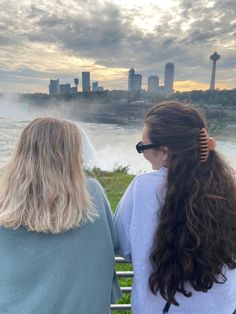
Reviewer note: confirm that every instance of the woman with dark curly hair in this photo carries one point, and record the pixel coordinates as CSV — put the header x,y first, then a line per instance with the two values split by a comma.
x,y
178,224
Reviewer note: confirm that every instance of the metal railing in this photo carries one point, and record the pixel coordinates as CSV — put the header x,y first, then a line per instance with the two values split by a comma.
x,y
125,274
122,274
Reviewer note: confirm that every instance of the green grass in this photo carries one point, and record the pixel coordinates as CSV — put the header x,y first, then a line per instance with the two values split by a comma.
x,y
115,184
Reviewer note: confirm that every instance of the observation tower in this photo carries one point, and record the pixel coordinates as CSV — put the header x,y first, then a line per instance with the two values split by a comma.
x,y
214,57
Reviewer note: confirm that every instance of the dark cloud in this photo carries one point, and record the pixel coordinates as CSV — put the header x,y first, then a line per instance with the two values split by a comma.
x,y
97,34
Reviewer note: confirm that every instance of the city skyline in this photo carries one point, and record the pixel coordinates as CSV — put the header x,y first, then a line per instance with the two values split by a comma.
x,y
47,40
134,81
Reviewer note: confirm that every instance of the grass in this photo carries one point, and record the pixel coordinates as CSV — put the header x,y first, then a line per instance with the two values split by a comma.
x,y
115,184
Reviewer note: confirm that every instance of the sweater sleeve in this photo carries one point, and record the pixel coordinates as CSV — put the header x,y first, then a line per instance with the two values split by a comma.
x,y
101,195
115,291
122,219
142,200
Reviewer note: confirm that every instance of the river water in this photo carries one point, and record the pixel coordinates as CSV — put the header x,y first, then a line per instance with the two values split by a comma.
x,y
107,146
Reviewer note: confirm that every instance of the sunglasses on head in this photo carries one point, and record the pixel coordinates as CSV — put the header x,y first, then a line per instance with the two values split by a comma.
x,y
140,147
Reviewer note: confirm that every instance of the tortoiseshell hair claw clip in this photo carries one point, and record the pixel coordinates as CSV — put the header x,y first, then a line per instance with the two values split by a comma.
x,y
206,144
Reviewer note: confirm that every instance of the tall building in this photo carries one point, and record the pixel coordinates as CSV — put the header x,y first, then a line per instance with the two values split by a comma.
x,y
169,78
134,81
153,84
137,82
131,79
96,88
54,88
214,57
65,89
86,82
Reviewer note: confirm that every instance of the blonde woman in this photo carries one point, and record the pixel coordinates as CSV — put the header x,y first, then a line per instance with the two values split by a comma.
x,y
56,232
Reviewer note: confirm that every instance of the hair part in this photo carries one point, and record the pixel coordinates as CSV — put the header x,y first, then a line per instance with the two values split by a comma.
x,y
195,238
44,187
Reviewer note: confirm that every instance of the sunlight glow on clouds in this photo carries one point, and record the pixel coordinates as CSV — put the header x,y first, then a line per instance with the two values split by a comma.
x,y
145,17
131,4
190,85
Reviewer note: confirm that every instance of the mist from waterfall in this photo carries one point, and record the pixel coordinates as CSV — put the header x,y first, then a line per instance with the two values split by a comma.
x,y
105,146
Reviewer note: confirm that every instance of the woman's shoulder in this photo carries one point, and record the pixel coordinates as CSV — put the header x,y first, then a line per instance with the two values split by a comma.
x,y
147,185
97,192
94,185
150,178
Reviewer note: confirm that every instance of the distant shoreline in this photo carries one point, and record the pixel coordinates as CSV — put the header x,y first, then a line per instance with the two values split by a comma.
x,y
128,109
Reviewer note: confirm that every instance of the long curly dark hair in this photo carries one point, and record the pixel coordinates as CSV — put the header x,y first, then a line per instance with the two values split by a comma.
x,y
196,234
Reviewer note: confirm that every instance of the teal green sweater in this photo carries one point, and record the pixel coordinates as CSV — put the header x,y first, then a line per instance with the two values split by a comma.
x,y
69,273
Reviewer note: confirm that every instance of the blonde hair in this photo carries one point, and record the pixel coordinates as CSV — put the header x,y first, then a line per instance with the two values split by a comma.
x,y
44,188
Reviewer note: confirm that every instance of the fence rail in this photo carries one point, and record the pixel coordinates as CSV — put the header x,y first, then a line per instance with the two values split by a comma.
x,y
123,274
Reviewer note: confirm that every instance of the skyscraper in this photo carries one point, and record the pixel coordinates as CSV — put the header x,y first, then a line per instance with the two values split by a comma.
x,y
54,88
137,82
86,82
65,89
169,78
134,81
96,88
131,79
153,84
214,57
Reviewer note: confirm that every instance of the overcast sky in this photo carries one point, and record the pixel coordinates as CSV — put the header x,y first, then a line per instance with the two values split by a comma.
x,y
47,39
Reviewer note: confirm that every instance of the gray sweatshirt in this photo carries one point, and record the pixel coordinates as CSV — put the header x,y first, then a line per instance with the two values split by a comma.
x,y
136,220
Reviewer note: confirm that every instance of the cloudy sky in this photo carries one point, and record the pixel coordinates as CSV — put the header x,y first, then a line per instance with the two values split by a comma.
x,y
47,39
